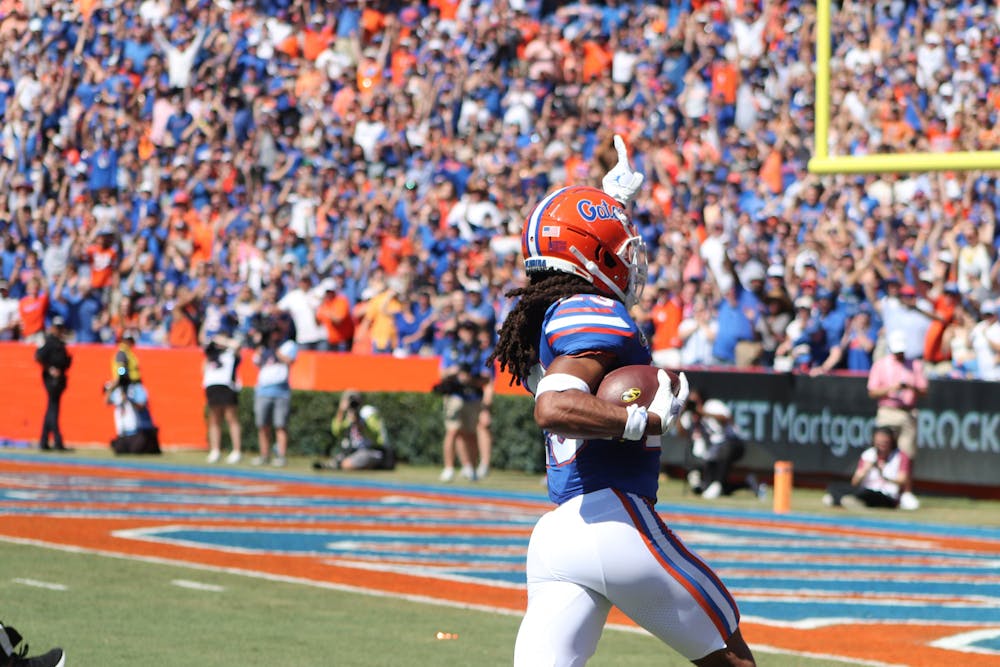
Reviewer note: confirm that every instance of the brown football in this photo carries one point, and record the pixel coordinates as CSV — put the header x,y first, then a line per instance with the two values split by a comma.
x,y
632,385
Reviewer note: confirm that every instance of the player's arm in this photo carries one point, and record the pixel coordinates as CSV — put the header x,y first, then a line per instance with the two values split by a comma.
x,y
574,412
565,403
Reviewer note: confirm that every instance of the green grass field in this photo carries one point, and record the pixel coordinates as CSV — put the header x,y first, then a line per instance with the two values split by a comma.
x,y
118,612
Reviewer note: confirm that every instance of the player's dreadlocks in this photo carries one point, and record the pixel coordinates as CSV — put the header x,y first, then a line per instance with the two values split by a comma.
x,y
517,348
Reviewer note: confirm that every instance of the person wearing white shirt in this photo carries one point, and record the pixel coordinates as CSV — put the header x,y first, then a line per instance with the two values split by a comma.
x,y
985,337
180,62
273,395
301,303
881,478
698,334
222,359
9,314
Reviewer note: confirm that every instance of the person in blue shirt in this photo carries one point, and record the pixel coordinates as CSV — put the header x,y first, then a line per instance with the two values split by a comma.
x,y
463,377
6,87
179,120
855,349
413,322
103,166
832,319
734,326
138,47
570,328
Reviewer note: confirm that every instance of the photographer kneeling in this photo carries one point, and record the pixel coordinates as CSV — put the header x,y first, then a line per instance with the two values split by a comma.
x,y
133,421
716,445
359,432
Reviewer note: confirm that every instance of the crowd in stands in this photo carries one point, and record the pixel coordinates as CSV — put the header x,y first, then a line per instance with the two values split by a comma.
x,y
178,167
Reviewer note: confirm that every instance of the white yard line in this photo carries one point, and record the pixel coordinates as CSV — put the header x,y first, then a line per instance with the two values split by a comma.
x,y
197,585
41,584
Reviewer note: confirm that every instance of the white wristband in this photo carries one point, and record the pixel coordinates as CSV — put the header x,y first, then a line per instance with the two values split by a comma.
x,y
560,382
635,426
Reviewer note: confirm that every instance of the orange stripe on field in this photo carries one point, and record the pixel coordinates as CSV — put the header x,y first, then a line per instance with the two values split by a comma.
x,y
97,534
896,643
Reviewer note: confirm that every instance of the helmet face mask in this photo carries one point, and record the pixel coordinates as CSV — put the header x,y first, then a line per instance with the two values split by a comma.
x,y
583,231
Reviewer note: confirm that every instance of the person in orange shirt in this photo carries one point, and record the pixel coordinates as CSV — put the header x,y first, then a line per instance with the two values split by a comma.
x,y
378,318
185,320
32,308
596,60
945,305
369,71
309,85
126,317
667,314
402,62
187,226
447,9
725,79
103,258
393,248
334,313
316,37
896,132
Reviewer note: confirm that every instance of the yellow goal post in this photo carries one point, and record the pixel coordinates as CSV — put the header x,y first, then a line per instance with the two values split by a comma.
x,y
824,163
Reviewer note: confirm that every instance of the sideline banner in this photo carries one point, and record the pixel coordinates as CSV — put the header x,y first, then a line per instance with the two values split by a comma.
x,y
822,424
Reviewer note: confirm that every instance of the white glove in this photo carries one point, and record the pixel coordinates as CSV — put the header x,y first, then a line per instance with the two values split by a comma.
x,y
667,404
621,182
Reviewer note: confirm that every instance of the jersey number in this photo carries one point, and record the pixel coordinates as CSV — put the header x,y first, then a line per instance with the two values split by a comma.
x,y
562,450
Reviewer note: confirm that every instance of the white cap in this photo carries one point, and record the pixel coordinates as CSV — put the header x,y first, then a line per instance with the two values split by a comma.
x,y
776,271
946,257
932,38
896,341
804,302
716,408
752,270
946,89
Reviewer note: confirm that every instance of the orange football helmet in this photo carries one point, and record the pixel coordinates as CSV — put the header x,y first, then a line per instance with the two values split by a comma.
x,y
583,231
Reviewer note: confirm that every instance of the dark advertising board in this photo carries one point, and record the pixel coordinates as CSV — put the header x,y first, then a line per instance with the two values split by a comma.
x,y
822,424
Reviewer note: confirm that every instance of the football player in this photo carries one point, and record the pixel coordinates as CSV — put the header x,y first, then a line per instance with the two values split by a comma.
x,y
603,544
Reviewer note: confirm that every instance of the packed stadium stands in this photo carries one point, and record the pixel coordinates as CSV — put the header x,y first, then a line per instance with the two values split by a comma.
x,y
166,164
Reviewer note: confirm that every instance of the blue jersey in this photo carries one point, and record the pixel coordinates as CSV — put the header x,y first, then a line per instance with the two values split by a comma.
x,y
587,323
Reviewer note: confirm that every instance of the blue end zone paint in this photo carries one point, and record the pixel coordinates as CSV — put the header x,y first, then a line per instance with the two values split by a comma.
x,y
791,569
988,644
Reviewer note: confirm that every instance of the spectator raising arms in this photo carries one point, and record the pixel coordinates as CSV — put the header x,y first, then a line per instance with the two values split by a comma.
x,y
167,156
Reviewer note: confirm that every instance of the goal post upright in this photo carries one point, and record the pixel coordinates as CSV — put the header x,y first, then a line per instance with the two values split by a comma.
x,y
823,163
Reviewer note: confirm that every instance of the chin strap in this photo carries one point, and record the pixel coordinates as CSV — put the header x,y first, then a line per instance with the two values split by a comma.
x,y
596,271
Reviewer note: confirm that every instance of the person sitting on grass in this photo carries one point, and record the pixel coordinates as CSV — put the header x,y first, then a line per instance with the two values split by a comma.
x,y
881,477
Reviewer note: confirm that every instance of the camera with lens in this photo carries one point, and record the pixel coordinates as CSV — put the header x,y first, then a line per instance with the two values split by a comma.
x,y
213,351
263,326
